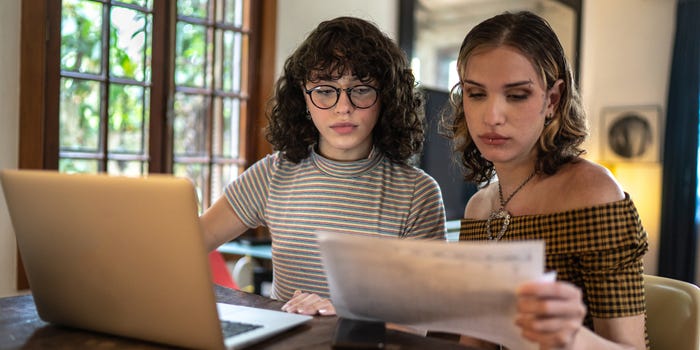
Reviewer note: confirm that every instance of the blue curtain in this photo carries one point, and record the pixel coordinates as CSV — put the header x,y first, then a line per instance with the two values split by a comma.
x,y
678,238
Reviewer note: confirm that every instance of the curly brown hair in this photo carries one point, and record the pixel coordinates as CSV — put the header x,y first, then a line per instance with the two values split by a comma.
x,y
337,46
560,141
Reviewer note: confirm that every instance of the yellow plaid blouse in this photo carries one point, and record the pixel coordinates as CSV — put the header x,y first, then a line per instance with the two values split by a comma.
x,y
599,249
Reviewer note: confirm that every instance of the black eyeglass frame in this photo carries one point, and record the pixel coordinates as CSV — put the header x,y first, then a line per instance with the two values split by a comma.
x,y
347,91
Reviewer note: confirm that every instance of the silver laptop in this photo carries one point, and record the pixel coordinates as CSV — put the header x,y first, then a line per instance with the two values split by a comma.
x,y
125,256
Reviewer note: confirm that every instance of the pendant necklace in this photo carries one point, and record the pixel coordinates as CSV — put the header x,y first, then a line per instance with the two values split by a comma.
x,y
502,213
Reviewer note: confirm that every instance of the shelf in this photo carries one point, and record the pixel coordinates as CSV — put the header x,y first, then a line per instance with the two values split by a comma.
x,y
263,251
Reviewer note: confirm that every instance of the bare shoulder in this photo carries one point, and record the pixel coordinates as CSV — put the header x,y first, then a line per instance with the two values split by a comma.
x,y
589,184
479,205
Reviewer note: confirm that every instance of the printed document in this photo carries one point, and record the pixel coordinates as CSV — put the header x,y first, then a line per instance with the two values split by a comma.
x,y
463,287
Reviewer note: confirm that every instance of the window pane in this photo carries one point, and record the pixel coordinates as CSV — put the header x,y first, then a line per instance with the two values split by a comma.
x,y
193,8
232,120
190,55
130,53
230,12
221,176
197,173
81,36
189,125
237,55
79,115
235,12
226,126
127,167
128,121
67,165
231,61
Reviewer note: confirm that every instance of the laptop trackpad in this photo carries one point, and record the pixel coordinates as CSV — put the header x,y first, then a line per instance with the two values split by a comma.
x,y
269,322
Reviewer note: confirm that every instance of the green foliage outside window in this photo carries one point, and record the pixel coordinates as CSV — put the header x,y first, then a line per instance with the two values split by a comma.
x,y
106,57
83,66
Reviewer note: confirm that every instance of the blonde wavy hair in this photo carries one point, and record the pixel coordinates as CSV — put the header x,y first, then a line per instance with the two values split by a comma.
x,y
560,141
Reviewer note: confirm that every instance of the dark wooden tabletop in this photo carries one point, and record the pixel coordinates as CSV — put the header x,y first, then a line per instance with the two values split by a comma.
x,y
21,328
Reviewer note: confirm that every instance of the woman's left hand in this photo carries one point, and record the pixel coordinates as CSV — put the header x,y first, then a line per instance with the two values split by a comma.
x,y
309,304
550,313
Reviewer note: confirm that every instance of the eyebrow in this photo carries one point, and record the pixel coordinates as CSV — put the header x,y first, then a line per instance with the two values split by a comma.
x,y
509,85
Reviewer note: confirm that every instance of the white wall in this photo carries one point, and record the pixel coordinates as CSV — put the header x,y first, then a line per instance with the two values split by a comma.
x,y
9,133
626,57
295,19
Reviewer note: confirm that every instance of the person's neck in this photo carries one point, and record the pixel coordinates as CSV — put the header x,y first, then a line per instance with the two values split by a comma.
x,y
511,176
345,156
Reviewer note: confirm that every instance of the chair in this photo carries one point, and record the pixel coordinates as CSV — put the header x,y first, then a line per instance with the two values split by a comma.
x,y
220,273
673,313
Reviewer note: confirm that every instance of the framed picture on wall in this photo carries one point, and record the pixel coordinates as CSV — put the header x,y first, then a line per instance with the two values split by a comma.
x,y
631,134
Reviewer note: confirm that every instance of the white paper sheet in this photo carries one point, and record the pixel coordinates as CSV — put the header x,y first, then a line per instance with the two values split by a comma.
x,y
465,288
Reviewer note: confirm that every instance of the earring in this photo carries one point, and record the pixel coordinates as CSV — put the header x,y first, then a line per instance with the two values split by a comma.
x,y
548,120
308,115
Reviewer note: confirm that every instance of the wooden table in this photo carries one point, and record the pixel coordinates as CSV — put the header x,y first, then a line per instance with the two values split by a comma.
x,y
21,328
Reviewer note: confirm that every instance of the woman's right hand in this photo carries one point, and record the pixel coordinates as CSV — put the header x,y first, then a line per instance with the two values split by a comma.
x,y
550,313
309,304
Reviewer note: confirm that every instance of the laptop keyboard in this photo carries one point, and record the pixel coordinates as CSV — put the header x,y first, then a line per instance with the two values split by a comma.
x,y
231,328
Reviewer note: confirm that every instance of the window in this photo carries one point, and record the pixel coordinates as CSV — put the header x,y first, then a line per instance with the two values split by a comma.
x,y
211,92
153,86
41,77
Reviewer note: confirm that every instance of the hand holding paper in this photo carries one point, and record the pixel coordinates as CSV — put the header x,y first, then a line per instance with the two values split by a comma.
x,y
463,288
550,314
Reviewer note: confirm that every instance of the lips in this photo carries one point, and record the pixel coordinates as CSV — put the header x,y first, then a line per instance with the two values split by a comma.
x,y
343,128
493,139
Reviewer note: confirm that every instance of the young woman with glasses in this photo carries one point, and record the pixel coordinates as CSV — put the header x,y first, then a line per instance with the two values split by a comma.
x,y
345,122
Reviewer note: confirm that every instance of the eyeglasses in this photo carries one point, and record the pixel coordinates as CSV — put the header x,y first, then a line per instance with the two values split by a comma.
x,y
326,96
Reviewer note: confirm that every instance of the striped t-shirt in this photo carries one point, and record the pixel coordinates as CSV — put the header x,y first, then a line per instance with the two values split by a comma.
x,y
372,196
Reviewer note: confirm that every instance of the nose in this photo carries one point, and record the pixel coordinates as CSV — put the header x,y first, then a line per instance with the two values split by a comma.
x,y
344,105
493,112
